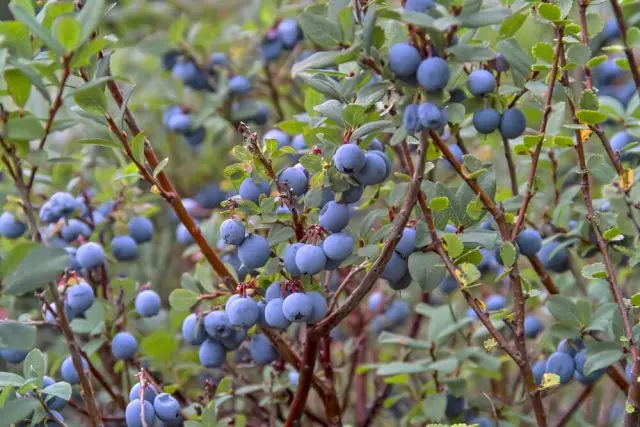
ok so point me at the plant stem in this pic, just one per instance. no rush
(617, 11)
(512, 167)
(566, 417)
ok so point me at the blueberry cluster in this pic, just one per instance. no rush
(387, 319)
(178, 119)
(457, 409)
(283, 36)
(568, 363)
(161, 406)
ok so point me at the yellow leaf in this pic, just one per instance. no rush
(550, 380)
(585, 133)
(482, 305)
(626, 179)
(490, 344)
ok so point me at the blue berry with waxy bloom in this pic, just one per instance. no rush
(457, 153)
(297, 307)
(140, 229)
(395, 269)
(375, 169)
(275, 290)
(271, 46)
(79, 298)
(10, 227)
(334, 216)
(254, 251)
(53, 402)
(407, 243)
(539, 369)
(90, 255)
(296, 179)
(338, 246)
(455, 405)
(133, 414)
(211, 196)
(243, 312)
(349, 158)
(554, 257)
(561, 364)
(433, 74)
(419, 5)
(397, 313)
(486, 120)
(403, 283)
(274, 315)
(217, 324)
(512, 123)
(150, 392)
(532, 326)
(124, 248)
(148, 303)
(283, 139)
(183, 236)
(13, 355)
(232, 231)
(192, 332)
(251, 189)
(261, 350)
(353, 194)
(124, 346)
(310, 259)
(319, 307)
(529, 241)
(239, 85)
(68, 371)
(571, 346)
(411, 118)
(619, 141)
(448, 284)
(500, 63)
(212, 354)
(289, 33)
(289, 259)
(404, 59)
(481, 82)
(431, 116)
(166, 407)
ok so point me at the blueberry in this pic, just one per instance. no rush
(385, 159)
(375, 169)
(374, 302)
(212, 354)
(353, 194)
(68, 370)
(486, 120)
(133, 414)
(319, 307)
(243, 312)
(395, 269)
(289, 259)
(580, 359)
(296, 179)
(403, 283)
(254, 251)
(232, 258)
(262, 321)
(432, 116)
(271, 47)
(53, 402)
(275, 316)
(611, 29)
(150, 392)
(123, 248)
(561, 364)
(297, 307)
(294, 377)
(419, 5)
(275, 289)
(554, 258)
(310, 259)
(262, 114)
(397, 313)
(217, 324)
(334, 216)
(168, 113)
(621, 140)
(262, 352)
(289, 33)
(529, 241)
(60, 205)
(607, 72)
(12, 355)
(140, 229)
(124, 346)
(404, 59)
(232, 231)
(433, 74)
(251, 190)
(218, 59)
(375, 145)
(512, 123)
(180, 122)
(298, 143)
(147, 303)
(448, 284)
(166, 407)
(283, 139)
(80, 298)
(481, 422)
(500, 63)
(481, 82)
(411, 119)
(628, 372)
(495, 302)
(407, 243)
(349, 158)
(10, 227)
(170, 59)
(591, 378)
(210, 196)
(338, 246)
(457, 94)
(192, 332)
(90, 255)
(183, 236)
(239, 85)
(532, 326)
(539, 369)
(191, 75)
(455, 405)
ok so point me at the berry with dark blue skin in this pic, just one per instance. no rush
(386, 161)
(419, 5)
(271, 46)
(403, 283)
(607, 72)
(404, 59)
(230, 301)
(274, 315)
(561, 364)
(212, 354)
(210, 196)
(133, 414)
(283, 139)
(457, 154)
(10, 227)
(448, 284)
(60, 205)
(539, 369)
(319, 307)
(123, 248)
(79, 299)
(73, 229)
(311, 259)
(13, 355)
(243, 312)
(261, 350)
(353, 194)
(395, 268)
(294, 377)
(529, 241)
(262, 321)
(251, 189)
(580, 359)
(90, 255)
(254, 251)
(68, 371)
(495, 302)
(432, 116)
(150, 392)
(374, 302)
(411, 118)
(532, 326)
(334, 216)
(183, 236)
(298, 143)
(195, 137)
(297, 307)
(275, 290)
(54, 402)
(375, 169)
(218, 59)
(512, 123)
(217, 324)
(554, 258)
(189, 72)
(239, 85)
(433, 74)
(349, 158)
(407, 243)
(289, 259)
(628, 372)
(500, 63)
(180, 122)
(289, 33)
(166, 407)
(375, 145)
(486, 120)
(148, 303)
(232, 231)
(397, 313)
(455, 405)
(124, 346)
(621, 140)
(457, 94)
(140, 229)
(591, 378)
(338, 246)
(192, 332)
(170, 59)
(296, 178)
(481, 82)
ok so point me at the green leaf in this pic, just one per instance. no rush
(183, 299)
(163, 163)
(484, 17)
(320, 30)
(59, 389)
(550, 12)
(67, 31)
(18, 335)
(39, 265)
(371, 127)
(543, 51)
(594, 271)
(596, 60)
(453, 245)
(368, 25)
(635, 299)
(18, 409)
(439, 203)
(471, 52)
(434, 406)
(34, 365)
(38, 30)
(562, 141)
(279, 234)
(102, 142)
(601, 355)
(426, 269)
(354, 115)
(311, 162)
(137, 147)
(517, 58)
(579, 54)
(18, 85)
(160, 345)
(512, 24)
(591, 117)
(471, 274)
(7, 379)
(316, 60)
(89, 18)
(564, 311)
(27, 129)
(633, 37)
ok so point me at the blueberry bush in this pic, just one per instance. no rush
(335, 212)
